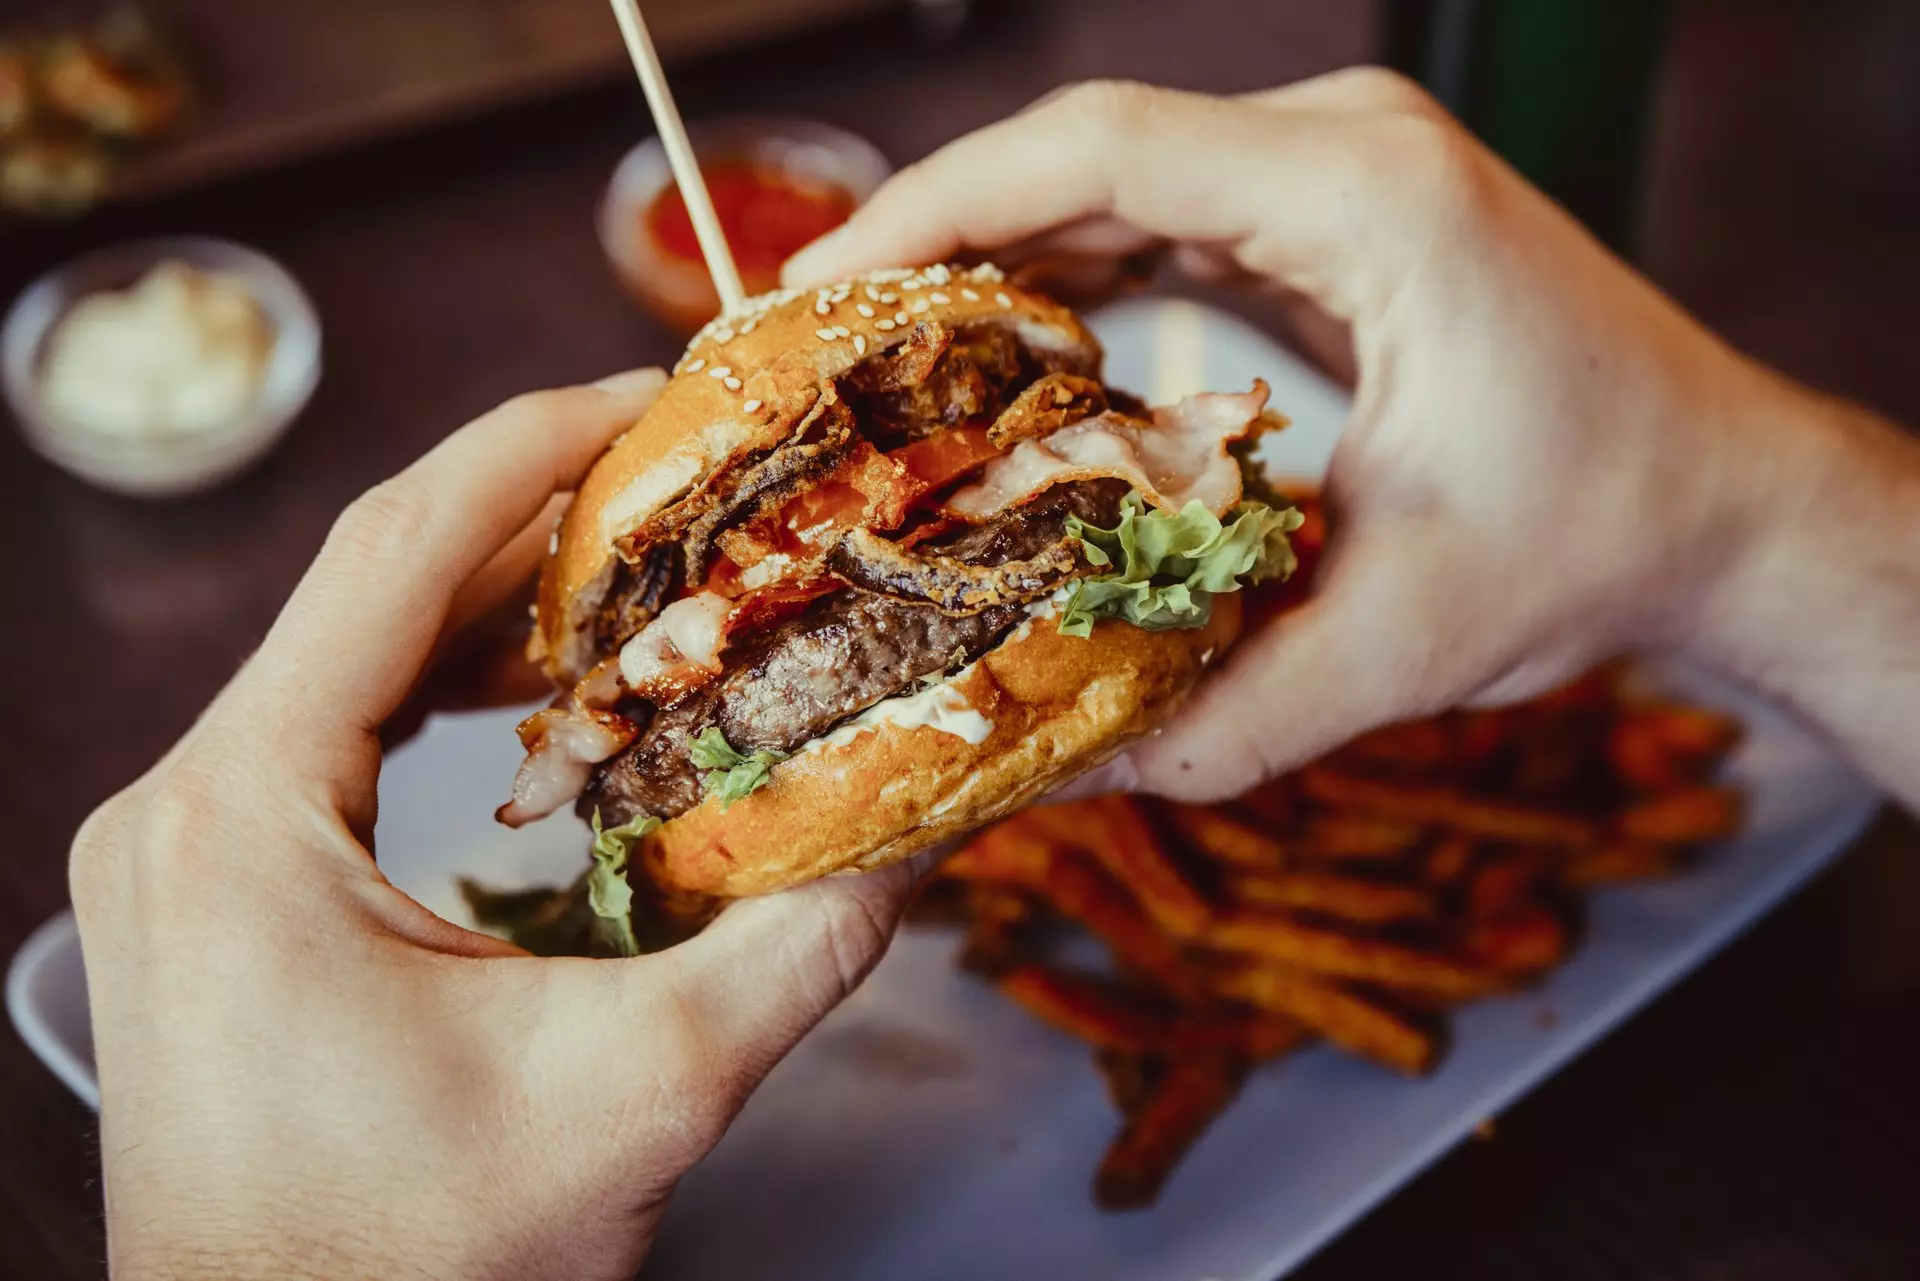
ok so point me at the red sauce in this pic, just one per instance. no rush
(767, 215)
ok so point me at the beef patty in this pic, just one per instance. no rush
(795, 681)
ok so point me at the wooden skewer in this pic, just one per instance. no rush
(686, 167)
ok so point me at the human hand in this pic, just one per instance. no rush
(303, 1071)
(1547, 462)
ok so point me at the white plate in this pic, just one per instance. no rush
(931, 1131)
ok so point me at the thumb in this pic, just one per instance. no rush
(1372, 648)
(767, 970)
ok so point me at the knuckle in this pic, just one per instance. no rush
(1383, 89)
(1439, 160)
(856, 927)
(1112, 106)
(96, 861)
(390, 520)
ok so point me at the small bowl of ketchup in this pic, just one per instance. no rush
(776, 185)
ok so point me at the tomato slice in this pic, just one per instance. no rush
(941, 459)
(765, 606)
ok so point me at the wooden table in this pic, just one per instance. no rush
(1757, 1123)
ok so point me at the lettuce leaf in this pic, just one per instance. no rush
(730, 774)
(1162, 569)
(608, 891)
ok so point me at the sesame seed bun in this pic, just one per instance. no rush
(1054, 705)
(1059, 705)
(777, 352)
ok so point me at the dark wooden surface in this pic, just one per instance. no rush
(1757, 1123)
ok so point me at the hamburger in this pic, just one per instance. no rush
(885, 561)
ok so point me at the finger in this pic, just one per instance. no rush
(1390, 637)
(1118, 775)
(361, 625)
(511, 572)
(1304, 196)
(769, 969)
(1352, 89)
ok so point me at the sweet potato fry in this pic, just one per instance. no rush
(1251, 1037)
(1223, 838)
(1500, 886)
(1448, 861)
(1618, 862)
(1524, 943)
(1012, 851)
(1660, 746)
(1345, 897)
(1086, 891)
(1122, 837)
(1343, 836)
(1353, 1022)
(1328, 952)
(1447, 807)
(1422, 745)
(997, 930)
(1192, 1091)
(1130, 1078)
(1685, 817)
(1273, 804)
(1100, 1013)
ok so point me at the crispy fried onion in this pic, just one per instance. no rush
(824, 440)
(563, 745)
(907, 365)
(1056, 401)
(865, 560)
(1182, 457)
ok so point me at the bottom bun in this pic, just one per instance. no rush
(1058, 706)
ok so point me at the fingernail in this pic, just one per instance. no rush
(632, 382)
(815, 261)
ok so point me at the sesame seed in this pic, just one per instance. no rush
(865, 310)
(987, 271)
(859, 344)
(719, 371)
(938, 273)
(724, 335)
(884, 326)
(841, 331)
(751, 406)
(1003, 300)
(887, 300)
(920, 305)
(942, 299)
(732, 384)
(873, 293)
(748, 327)
(695, 366)
(553, 542)
(910, 284)
(824, 335)
(900, 318)
(823, 306)
(970, 295)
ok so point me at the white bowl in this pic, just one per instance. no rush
(170, 466)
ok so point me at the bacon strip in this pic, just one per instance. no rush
(1181, 458)
(563, 745)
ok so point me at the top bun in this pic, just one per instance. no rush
(745, 384)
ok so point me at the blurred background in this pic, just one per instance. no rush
(452, 201)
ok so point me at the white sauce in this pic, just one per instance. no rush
(182, 352)
(944, 708)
